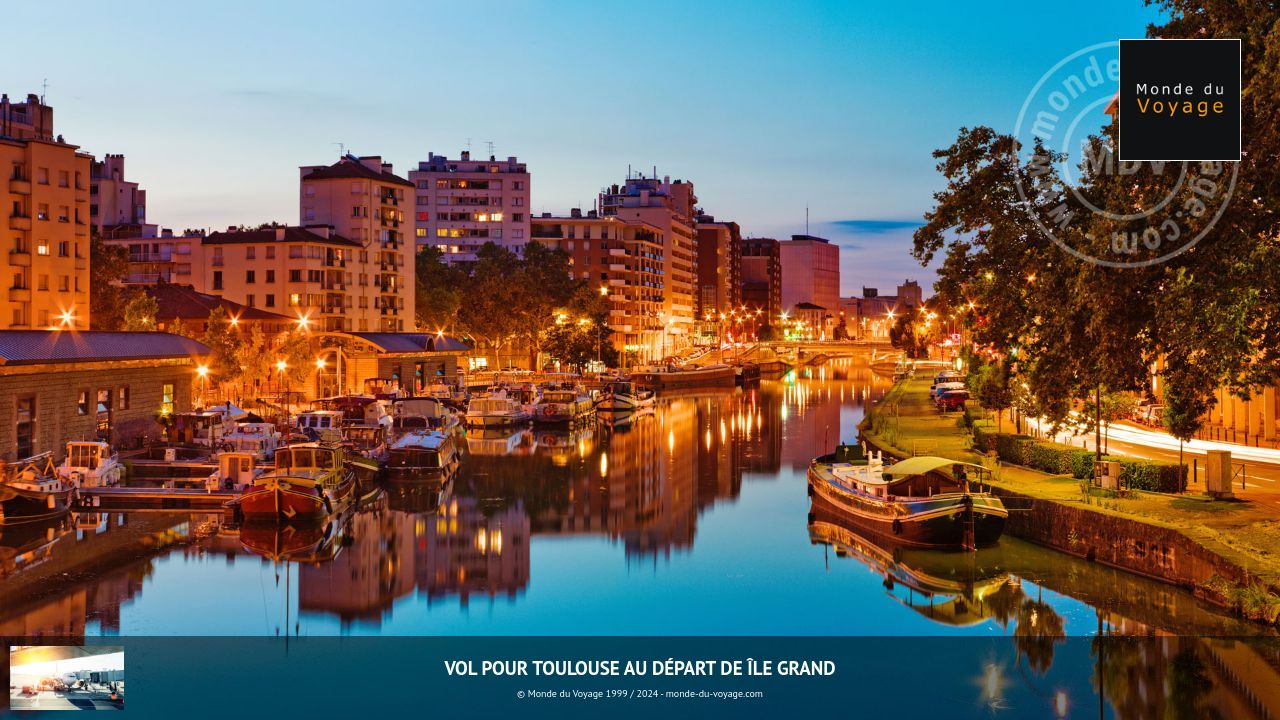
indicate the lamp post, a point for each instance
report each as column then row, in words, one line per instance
column 203, row 372
column 280, row 368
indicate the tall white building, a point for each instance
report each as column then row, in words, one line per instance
column 462, row 204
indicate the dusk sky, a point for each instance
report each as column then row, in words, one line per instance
column 767, row 107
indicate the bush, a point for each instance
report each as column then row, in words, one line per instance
column 1150, row 475
column 1049, row 457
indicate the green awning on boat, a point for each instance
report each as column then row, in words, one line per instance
column 923, row 465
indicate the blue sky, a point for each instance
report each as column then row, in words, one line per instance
column 767, row 107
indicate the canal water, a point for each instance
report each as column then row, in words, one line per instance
column 692, row 520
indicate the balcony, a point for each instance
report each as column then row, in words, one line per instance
column 19, row 222
column 18, row 186
column 145, row 257
column 19, row 258
column 147, row 278
column 19, row 294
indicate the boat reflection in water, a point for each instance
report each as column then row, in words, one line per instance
column 949, row 588
column 26, row 545
column 562, row 445
column 500, row 442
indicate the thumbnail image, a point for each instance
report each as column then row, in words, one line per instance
column 66, row 677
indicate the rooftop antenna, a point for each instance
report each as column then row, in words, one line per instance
column 806, row 219
column 342, row 149
column 490, row 144
column 468, row 144
column 44, row 88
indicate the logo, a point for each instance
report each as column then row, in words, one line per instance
column 1093, row 205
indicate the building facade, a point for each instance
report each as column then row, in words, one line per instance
column 671, row 208
column 810, row 273
column 871, row 316
column 623, row 259
column 365, row 202
column 462, row 204
column 45, row 200
column 762, row 277
column 311, row 274
column 114, row 202
column 719, row 267
column 58, row 386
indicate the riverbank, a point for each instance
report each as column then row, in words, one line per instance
column 1227, row 551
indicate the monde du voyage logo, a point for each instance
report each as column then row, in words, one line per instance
column 1179, row 100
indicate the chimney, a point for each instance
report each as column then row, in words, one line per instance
column 279, row 234
column 466, row 154
column 575, row 213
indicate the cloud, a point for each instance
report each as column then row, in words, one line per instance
column 863, row 226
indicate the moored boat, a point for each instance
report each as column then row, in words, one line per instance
column 621, row 396
column 31, row 491
column 567, row 403
column 422, row 454
column 496, row 408
column 911, row 503
column 90, row 463
column 310, row 481
column 670, row 376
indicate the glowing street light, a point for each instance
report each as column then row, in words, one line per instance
column 67, row 317
column 320, row 363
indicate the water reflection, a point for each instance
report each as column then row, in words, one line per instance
column 636, row 527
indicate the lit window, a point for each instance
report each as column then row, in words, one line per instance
column 442, row 232
column 295, row 299
column 42, row 247
column 496, row 217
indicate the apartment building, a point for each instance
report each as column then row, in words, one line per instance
column 719, row 267
column 364, row 202
column 323, row 280
column 810, row 273
column 117, row 207
column 762, row 277
column 44, row 199
column 669, row 207
column 161, row 257
column 462, row 204
column 623, row 259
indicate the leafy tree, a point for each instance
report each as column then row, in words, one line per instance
column 768, row 333
column 438, row 294
column 140, row 312
column 990, row 386
column 225, row 343
column 108, row 265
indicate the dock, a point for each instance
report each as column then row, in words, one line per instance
column 137, row 498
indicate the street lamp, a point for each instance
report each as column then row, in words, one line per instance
column 280, row 368
column 203, row 372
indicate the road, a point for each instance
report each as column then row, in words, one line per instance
column 1259, row 467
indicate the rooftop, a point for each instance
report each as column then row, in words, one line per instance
column 350, row 166
column 184, row 303
column 411, row 342
column 29, row 347
column 310, row 234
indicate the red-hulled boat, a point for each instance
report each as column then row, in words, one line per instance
column 311, row 481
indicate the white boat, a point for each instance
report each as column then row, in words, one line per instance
column 563, row 404
column 236, row 472
column 259, row 439
column 422, row 453
column 90, row 463
column 621, row 397
column 446, row 392
column 315, row 423
column 423, row 414
column 496, row 408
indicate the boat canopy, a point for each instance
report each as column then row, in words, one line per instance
column 923, row 465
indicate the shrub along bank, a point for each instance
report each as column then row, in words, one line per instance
column 1060, row 459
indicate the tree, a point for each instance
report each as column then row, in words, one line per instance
column 1115, row 406
column 139, row 313
column 989, row 385
column 108, row 265
column 225, row 343
column 437, row 295
column 768, row 333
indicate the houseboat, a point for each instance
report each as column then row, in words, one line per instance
column 367, row 441
column 365, row 410
column 566, row 403
column 621, row 396
column 423, row 414
column 672, row 376
column 311, row 481
column 90, row 463
column 912, row 503
column 31, row 491
column 422, row 454
column 496, row 408
column 257, row 438
column 320, row 424
column 235, row 473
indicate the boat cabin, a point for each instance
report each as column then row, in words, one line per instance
column 258, row 438
column 319, row 420
column 90, row 463
column 309, row 456
column 201, row 427
column 421, row 450
column 235, row 470
column 363, row 438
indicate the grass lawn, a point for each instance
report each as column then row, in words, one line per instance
column 1244, row 532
